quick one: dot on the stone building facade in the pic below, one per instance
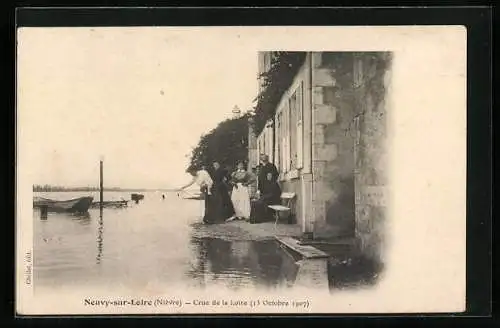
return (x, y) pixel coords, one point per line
(371, 153)
(328, 142)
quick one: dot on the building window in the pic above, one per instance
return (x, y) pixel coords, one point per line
(289, 132)
(265, 142)
(293, 130)
(300, 126)
(278, 147)
(296, 128)
(269, 142)
(262, 142)
(282, 139)
(259, 145)
(285, 139)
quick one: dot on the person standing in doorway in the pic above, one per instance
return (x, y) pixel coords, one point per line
(269, 195)
(266, 167)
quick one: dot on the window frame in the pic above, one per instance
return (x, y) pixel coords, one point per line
(292, 122)
(285, 138)
(300, 125)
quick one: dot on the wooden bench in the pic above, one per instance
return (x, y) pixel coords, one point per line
(286, 205)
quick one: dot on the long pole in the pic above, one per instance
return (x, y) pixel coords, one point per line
(101, 189)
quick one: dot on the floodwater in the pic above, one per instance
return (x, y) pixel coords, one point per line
(153, 241)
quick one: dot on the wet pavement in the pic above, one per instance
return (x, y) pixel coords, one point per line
(242, 230)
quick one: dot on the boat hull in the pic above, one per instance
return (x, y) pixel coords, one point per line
(76, 205)
(118, 203)
(136, 197)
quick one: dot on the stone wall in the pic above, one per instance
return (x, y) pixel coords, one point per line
(333, 145)
(371, 152)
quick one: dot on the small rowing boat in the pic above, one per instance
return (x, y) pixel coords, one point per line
(111, 203)
(78, 205)
(136, 197)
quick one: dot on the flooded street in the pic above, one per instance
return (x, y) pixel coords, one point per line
(155, 242)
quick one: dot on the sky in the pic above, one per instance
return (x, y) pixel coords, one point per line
(140, 98)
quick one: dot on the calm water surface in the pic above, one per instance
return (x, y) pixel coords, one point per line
(152, 241)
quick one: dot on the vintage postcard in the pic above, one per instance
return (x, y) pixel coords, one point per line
(187, 170)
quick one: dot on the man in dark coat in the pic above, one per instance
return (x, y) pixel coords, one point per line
(266, 167)
(269, 191)
(270, 194)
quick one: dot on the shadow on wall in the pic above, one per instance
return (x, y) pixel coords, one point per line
(340, 212)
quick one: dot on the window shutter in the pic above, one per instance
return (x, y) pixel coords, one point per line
(263, 142)
(300, 115)
(293, 131)
(270, 144)
(283, 140)
(264, 134)
(287, 141)
(277, 148)
(258, 148)
(259, 145)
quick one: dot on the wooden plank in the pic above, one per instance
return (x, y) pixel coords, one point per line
(307, 251)
(344, 241)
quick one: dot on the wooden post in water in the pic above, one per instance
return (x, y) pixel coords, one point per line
(101, 188)
(43, 212)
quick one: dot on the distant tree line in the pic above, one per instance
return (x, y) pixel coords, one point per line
(51, 188)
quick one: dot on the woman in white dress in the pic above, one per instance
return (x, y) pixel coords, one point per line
(241, 179)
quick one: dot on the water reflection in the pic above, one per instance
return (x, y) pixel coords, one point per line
(269, 262)
(241, 263)
(83, 218)
(100, 230)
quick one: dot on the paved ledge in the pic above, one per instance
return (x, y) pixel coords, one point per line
(307, 251)
(336, 242)
(242, 231)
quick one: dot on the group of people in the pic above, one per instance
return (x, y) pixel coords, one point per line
(241, 195)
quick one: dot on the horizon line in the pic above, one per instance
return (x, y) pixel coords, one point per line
(96, 187)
